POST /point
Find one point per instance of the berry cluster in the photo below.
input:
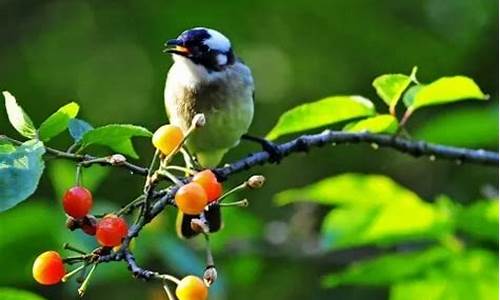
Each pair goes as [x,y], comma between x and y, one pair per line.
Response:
[198,197]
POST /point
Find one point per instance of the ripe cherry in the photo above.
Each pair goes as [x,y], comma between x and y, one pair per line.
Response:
[48,268]
[191,198]
[209,182]
[111,230]
[77,202]
[191,288]
[167,138]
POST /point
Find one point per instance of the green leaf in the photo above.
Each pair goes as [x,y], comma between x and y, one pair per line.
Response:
[390,87]
[369,210]
[18,118]
[58,121]
[444,90]
[377,124]
[16,294]
[118,137]
[388,268]
[77,128]
[468,127]
[321,113]
[20,172]
[7,148]
[472,274]
[480,220]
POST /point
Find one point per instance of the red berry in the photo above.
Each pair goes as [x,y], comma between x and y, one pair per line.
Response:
[111,230]
[191,198]
[48,268]
[77,202]
[208,181]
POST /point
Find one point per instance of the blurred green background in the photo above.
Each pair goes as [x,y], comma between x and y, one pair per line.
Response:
[107,56]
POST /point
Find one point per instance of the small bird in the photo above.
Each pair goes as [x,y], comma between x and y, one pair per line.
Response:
[208,78]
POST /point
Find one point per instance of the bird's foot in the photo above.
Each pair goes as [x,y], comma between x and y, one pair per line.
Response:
[275,154]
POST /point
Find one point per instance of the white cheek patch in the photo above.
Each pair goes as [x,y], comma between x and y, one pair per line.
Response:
[217,41]
[221,59]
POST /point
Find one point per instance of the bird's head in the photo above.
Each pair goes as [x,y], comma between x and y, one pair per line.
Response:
[203,46]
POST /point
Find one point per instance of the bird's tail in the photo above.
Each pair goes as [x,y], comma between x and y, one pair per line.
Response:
[210,159]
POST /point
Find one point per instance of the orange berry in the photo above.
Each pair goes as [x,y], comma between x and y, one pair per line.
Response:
[167,138]
[191,288]
[208,181]
[48,268]
[191,198]
[111,230]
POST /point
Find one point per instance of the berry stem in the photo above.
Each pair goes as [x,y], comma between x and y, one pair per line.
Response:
[67,246]
[78,178]
[167,290]
[65,278]
[133,203]
[188,171]
[232,191]
[170,176]
[169,278]
[83,287]
[241,203]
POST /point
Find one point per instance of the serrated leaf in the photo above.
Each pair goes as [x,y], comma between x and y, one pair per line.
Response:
[377,124]
[390,87]
[58,121]
[77,128]
[118,137]
[20,172]
[388,268]
[18,118]
[444,90]
[323,112]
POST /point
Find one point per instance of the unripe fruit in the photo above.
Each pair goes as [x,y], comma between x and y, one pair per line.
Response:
[191,288]
[191,198]
[208,181]
[89,225]
[48,268]
[167,138]
[111,230]
[77,202]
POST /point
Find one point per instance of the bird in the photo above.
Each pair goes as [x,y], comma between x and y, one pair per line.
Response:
[207,77]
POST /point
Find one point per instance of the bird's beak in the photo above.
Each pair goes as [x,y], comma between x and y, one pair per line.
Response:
[175,46]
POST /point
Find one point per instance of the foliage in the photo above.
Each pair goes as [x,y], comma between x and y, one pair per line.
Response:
[368,210]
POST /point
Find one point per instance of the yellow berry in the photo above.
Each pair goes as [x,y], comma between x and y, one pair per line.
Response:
[191,288]
[167,138]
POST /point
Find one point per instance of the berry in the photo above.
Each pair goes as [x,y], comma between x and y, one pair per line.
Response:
[111,230]
[167,138]
[89,225]
[191,288]
[209,182]
[77,202]
[191,198]
[48,268]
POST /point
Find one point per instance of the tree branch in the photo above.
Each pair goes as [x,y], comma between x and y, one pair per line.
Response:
[303,143]
[414,148]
